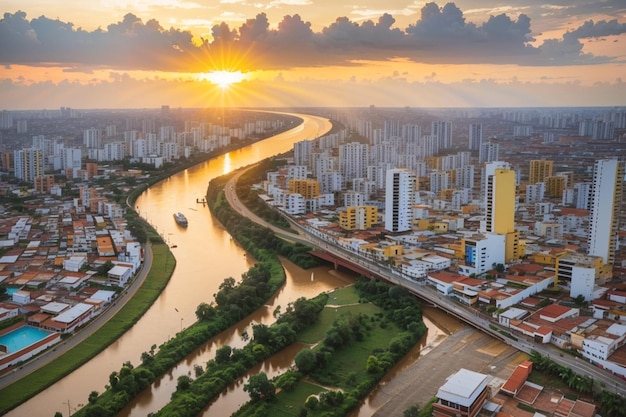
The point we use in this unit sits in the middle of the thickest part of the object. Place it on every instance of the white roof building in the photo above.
(464, 392)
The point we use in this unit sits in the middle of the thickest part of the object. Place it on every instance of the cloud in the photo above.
(589, 29)
(441, 35)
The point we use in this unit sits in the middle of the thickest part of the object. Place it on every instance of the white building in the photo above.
(482, 251)
(119, 275)
(442, 131)
(92, 138)
(463, 394)
(475, 136)
(75, 262)
(583, 281)
(606, 201)
(399, 197)
(489, 152)
(353, 160)
(439, 181)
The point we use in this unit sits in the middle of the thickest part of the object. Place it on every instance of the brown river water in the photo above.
(205, 255)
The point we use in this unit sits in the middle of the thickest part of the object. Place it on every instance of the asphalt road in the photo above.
(61, 348)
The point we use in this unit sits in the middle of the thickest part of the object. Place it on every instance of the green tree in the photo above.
(306, 360)
(412, 411)
(222, 355)
(373, 365)
(93, 397)
(579, 301)
(204, 312)
(260, 387)
(183, 383)
(104, 268)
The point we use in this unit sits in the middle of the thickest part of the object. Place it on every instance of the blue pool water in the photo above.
(22, 337)
(11, 290)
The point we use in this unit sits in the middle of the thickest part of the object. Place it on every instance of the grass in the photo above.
(353, 358)
(327, 317)
(163, 264)
(548, 381)
(347, 365)
(289, 403)
(343, 296)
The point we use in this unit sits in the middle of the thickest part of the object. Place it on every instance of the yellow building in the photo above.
(433, 162)
(555, 186)
(539, 171)
(306, 188)
(446, 194)
(358, 217)
(500, 213)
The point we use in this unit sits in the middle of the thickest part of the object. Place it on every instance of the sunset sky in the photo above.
(146, 53)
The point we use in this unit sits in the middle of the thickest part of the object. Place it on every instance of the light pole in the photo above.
(181, 324)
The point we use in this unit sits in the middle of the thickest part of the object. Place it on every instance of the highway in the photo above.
(308, 236)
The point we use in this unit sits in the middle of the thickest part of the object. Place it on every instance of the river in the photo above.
(205, 256)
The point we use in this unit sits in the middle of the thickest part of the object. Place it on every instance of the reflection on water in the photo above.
(298, 284)
(205, 256)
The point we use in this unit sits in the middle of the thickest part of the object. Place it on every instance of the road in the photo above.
(78, 337)
(580, 366)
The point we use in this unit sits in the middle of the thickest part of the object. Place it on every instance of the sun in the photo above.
(223, 79)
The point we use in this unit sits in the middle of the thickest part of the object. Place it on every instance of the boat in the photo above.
(181, 219)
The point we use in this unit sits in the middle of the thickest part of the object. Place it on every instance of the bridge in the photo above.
(337, 261)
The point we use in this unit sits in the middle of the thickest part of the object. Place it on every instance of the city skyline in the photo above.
(312, 53)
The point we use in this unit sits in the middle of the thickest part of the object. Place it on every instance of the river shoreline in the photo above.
(63, 399)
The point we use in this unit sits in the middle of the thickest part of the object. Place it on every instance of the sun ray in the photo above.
(223, 79)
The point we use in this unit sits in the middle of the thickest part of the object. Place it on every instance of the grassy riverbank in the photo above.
(361, 333)
(163, 264)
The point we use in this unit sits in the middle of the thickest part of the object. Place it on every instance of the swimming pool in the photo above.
(22, 337)
(11, 290)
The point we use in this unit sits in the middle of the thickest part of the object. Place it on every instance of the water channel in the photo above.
(205, 255)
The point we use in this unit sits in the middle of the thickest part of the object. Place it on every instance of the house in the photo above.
(517, 379)
(119, 275)
(556, 312)
(21, 297)
(444, 281)
(463, 395)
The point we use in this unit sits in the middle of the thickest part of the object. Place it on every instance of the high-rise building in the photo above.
(353, 160)
(439, 181)
(443, 132)
(605, 203)
(489, 152)
(399, 195)
(500, 205)
(6, 119)
(582, 190)
(72, 159)
(28, 164)
(475, 136)
(92, 138)
(539, 171)
(555, 185)
(302, 152)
